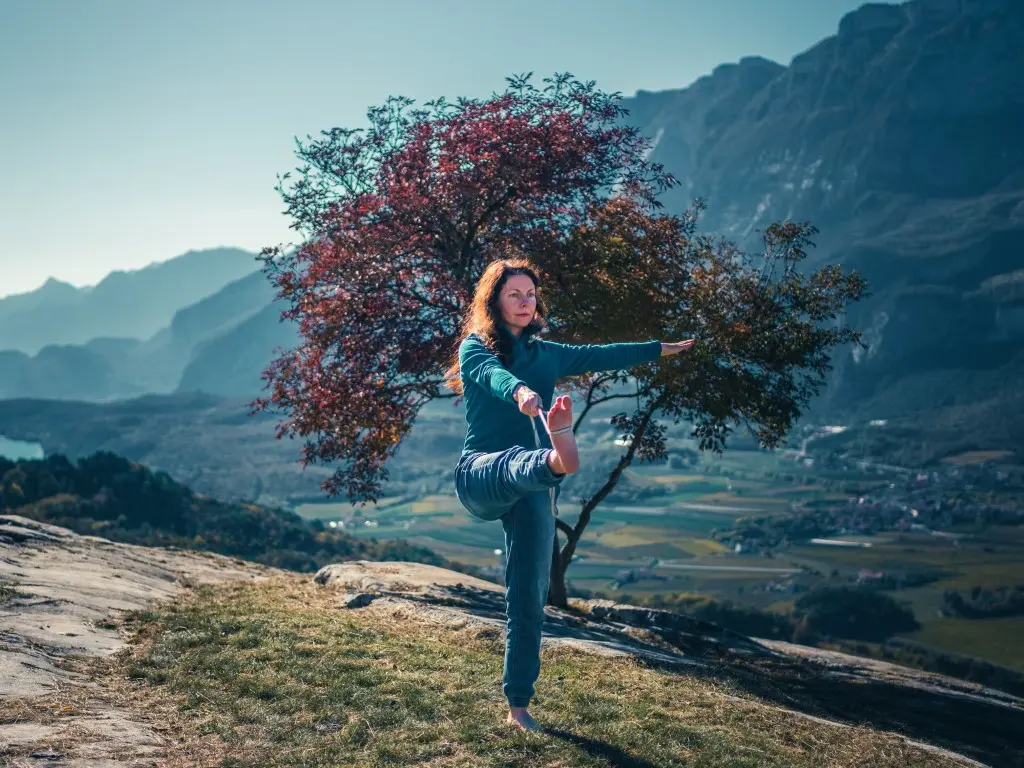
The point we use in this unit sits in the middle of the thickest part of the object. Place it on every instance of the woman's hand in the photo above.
(528, 400)
(676, 347)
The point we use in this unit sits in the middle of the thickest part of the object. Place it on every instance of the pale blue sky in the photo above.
(132, 131)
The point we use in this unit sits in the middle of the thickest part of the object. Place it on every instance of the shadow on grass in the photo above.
(986, 731)
(600, 749)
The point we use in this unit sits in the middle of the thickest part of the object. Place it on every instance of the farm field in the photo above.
(673, 527)
(995, 640)
(670, 533)
(970, 564)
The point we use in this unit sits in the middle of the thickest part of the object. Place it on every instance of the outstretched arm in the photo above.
(479, 364)
(576, 359)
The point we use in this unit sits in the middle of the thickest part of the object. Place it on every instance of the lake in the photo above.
(16, 449)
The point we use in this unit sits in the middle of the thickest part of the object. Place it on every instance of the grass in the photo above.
(763, 504)
(458, 552)
(660, 550)
(433, 504)
(633, 535)
(977, 572)
(703, 547)
(276, 674)
(970, 562)
(926, 602)
(630, 537)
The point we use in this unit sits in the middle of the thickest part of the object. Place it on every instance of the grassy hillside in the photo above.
(275, 674)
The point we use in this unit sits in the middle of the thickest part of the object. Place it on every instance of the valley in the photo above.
(693, 535)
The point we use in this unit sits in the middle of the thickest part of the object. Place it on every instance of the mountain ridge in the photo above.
(129, 367)
(125, 304)
(896, 138)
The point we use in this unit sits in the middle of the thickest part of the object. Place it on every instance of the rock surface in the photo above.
(66, 587)
(61, 590)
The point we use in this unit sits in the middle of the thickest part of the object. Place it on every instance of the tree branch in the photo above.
(596, 384)
(563, 526)
(613, 479)
(598, 402)
(467, 244)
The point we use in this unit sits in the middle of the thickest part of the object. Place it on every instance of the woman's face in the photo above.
(518, 302)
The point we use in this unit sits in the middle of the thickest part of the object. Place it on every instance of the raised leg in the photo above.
(489, 484)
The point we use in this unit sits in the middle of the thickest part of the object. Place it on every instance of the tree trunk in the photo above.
(558, 594)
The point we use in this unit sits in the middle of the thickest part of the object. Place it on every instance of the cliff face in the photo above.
(900, 138)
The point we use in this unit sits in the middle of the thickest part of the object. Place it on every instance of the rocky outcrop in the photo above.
(61, 596)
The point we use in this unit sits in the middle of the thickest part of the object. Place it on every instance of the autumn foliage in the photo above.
(398, 221)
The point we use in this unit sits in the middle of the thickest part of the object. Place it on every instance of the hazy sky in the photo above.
(132, 131)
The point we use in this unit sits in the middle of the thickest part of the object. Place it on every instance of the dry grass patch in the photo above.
(702, 547)
(276, 674)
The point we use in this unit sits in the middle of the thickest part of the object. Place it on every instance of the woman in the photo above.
(507, 374)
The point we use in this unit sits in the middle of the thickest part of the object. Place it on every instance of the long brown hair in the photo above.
(483, 317)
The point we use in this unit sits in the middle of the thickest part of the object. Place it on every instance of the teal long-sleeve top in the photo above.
(494, 421)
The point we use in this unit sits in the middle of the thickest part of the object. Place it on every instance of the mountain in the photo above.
(51, 293)
(94, 371)
(234, 303)
(900, 138)
(64, 371)
(232, 364)
(13, 367)
(158, 364)
(131, 367)
(134, 304)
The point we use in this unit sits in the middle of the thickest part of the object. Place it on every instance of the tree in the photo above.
(765, 332)
(399, 221)
(853, 614)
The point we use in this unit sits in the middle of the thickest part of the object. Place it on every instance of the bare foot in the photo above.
(566, 457)
(521, 718)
